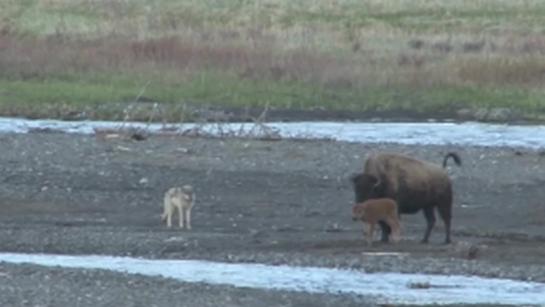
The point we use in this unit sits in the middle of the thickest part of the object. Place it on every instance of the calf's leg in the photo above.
(396, 228)
(370, 233)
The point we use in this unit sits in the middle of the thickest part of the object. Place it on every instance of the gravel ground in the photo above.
(258, 201)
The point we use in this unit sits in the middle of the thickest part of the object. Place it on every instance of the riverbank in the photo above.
(276, 202)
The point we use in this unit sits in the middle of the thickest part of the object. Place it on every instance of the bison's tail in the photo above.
(454, 156)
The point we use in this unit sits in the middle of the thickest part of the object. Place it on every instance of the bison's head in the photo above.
(366, 186)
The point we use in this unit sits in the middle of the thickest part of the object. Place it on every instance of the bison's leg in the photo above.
(430, 220)
(445, 214)
(386, 231)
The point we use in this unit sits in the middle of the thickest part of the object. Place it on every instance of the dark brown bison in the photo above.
(415, 185)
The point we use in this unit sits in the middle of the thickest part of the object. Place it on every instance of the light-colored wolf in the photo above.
(182, 199)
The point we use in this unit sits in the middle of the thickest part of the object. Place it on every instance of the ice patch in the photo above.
(469, 133)
(392, 288)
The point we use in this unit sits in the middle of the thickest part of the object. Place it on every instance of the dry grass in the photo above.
(329, 53)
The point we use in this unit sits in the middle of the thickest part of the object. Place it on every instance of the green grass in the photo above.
(109, 95)
(62, 56)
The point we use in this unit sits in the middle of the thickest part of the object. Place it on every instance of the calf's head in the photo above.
(357, 212)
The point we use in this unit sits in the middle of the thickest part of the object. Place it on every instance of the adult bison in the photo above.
(415, 185)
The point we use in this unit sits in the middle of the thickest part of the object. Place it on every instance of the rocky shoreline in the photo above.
(276, 202)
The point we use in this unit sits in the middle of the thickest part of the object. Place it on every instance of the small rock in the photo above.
(472, 252)
(109, 136)
(468, 250)
(123, 148)
(175, 239)
(256, 233)
(287, 228)
(182, 150)
(334, 228)
(419, 285)
(138, 136)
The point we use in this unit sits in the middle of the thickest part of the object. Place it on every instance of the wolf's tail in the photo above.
(454, 157)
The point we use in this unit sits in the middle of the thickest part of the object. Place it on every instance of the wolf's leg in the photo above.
(164, 215)
(169, 218)
(181, 216)
(188, 216)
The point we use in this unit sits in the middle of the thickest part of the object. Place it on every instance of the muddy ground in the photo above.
(278, 202)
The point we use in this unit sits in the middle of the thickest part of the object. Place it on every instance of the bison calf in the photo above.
(415, 185)
(374, 210)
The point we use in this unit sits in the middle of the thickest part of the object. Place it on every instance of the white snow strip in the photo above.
(404, 133)
(392, 288)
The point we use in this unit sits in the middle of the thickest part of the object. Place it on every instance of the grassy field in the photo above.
(60, 57)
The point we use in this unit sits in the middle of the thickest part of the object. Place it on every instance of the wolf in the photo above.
(182, 199)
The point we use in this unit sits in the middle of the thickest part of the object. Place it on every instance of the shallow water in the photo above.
(404, 133)
(391, 288)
